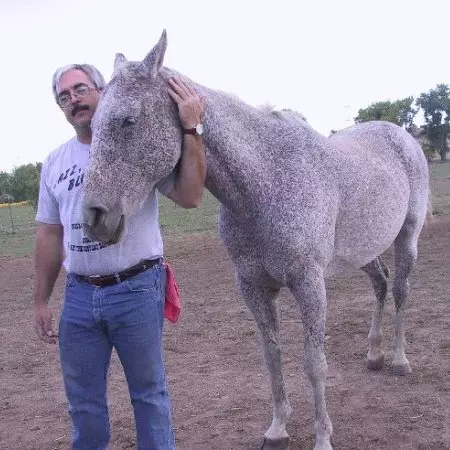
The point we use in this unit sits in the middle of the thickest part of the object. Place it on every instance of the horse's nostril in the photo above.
(93, 214)
(97, 213)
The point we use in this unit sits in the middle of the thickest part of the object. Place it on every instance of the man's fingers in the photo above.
(51, 334)
(176, 86)
(48, 330)
(43, 326)
(175, 97)
(47, 326)
(190, 104)
(183, 89)
(46, 336)
(202, 107)
(49, 340)
(191, 90)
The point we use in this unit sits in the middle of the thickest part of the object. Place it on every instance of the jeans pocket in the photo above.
(144, 282)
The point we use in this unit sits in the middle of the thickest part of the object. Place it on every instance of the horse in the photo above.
(295, 207)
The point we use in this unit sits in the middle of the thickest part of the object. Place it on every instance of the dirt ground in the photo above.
(219, 388)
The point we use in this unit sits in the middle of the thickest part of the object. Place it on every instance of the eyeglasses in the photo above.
(80, 91)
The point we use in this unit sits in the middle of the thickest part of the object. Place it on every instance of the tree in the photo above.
(400, 112)
(6, 198)
(5, 183)
(25, 182)
(436, 111)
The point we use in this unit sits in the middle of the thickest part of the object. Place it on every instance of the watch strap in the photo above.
(192, 131)
(196, 131)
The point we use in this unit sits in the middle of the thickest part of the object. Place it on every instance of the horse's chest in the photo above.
(257, 253)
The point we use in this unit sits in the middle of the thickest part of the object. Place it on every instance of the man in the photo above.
(114, 293)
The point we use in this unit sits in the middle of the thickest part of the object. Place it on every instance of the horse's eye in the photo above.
(128, 121)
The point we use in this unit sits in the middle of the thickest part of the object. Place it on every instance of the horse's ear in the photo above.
(154, 60)
(120, 59)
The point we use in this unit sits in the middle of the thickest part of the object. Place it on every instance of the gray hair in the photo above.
(92, 72)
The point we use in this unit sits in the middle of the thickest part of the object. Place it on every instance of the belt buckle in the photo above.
(94, 278)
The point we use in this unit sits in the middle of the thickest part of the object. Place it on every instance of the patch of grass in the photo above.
(17, 238)
(18, 241)
(17, 230)
(176, 220)
(439, 169)
(440, 188)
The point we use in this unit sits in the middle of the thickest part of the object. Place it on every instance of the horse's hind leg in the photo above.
(378, 273)
(405, 258)
(261, 302)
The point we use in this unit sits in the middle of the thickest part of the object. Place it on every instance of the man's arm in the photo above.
(48, 257)
(188, 188)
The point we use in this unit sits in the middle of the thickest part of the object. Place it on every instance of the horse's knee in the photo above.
(381, 289)
(400, 292)
(315, 366)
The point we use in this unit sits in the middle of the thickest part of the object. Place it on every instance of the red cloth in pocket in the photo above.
(172, 302)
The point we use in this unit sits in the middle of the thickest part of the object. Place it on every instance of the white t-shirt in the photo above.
(59, 203)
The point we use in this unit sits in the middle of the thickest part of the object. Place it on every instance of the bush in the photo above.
(6, 198)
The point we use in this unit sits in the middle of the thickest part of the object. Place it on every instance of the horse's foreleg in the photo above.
(378, 274)
(308, 288)
(261, 302)
(405, 257)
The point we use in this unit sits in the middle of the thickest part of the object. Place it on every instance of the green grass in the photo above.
(177, 221)
(439, 170)
(17, 235)
(440, 188)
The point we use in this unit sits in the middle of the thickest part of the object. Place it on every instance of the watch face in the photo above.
(199, 129)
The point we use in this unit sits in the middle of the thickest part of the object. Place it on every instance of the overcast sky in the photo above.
(324, 58)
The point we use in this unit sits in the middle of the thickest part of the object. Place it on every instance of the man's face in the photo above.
(80, 111)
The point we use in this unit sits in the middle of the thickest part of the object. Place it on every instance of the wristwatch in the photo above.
(196, 131)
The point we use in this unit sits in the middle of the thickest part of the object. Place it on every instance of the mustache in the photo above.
(77, 108)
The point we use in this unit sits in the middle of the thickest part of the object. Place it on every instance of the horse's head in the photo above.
(136, 142)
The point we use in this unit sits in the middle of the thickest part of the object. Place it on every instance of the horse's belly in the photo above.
(338, 266)
(360, 239)
(373, 208)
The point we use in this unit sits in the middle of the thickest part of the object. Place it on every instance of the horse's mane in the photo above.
(284, 114)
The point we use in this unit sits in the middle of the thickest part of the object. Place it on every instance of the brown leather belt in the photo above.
(108, 280)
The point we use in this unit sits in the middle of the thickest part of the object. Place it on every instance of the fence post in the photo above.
(11, 217)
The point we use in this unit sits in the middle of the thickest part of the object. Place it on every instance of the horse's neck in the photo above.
(247, 145)
(238, 163)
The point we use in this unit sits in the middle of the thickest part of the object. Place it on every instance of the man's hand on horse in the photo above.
(190, 104)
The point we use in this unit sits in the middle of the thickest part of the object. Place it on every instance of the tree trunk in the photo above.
(443, 149)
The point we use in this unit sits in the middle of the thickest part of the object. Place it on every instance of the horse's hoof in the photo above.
(375, 364)
(401, 369)
(276, 444)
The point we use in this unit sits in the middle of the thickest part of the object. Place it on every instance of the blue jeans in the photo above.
(129, 317)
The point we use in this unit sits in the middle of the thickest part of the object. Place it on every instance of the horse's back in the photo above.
(387, 141)
(383, 146)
